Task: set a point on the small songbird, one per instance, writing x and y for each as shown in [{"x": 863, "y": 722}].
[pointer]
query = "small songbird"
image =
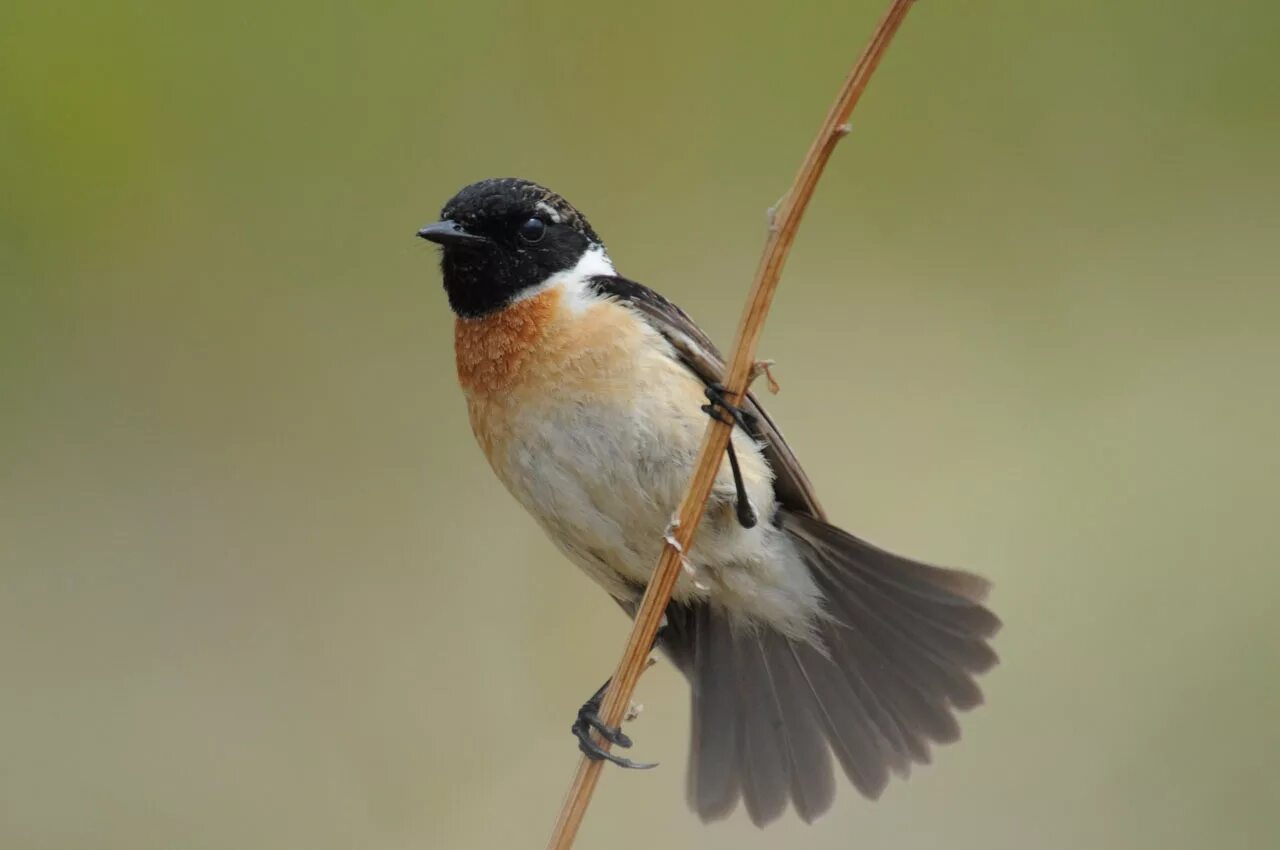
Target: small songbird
[{"x": 587, "y": 393}]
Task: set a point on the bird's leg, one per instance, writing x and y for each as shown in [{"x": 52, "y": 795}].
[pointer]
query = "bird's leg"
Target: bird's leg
[
  {"x": 719, "y": 409},
  {"x": 589, "y": 719}
]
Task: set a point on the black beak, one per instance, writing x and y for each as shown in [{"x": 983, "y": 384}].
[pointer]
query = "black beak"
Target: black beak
[{"x": 450, "y": 233}]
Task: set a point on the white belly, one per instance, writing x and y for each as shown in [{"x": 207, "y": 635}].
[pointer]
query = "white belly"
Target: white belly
[{"x": 605, "y": 480}]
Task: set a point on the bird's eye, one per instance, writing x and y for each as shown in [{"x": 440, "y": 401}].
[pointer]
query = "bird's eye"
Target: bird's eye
[{"x": 533, "y": 230}]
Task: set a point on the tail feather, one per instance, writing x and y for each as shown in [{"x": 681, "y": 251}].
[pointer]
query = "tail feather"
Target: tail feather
[
  {"x": 714, "y": 778},
  {"x": 921, "y": 650},
  {"x": 897, "y": 654},
  {"x": 901, "y": 716},
  {"x": 934, "y": 599},
  {"x": 909, "y": 655},
  {"x": 813, "y": 785},
  {"x": 865, "y": 752},
  {"x": 762, "y": 735},
  {"x": 766, "y": 756}
]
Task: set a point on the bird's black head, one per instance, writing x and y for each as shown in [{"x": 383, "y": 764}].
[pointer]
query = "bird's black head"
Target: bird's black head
[{"x": 504, "y": 236}]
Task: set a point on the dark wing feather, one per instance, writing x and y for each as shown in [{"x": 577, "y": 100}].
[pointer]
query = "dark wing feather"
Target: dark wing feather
[{"x": 791, "y": 486}]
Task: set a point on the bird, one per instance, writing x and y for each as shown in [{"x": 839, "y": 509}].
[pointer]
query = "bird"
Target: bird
[{"x": 806, "y": 647}]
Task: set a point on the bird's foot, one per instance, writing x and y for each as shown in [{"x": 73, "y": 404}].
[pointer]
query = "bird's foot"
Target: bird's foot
[
  {"x": 589, "y": 720},
  {"x": 722, "y": 411}
]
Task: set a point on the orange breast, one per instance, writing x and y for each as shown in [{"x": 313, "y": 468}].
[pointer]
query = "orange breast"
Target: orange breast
[
  {"x": 492, "y": 351},
  {"x": 540, "y": 353}
]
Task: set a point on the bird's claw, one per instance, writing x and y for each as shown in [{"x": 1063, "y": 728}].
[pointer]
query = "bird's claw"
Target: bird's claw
[
  {"x": 719, "y": 409},
  {"x": 588, "y": 720}
]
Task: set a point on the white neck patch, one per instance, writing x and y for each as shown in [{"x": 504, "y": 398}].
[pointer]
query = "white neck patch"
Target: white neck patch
[{"x": 573, "y": 282}]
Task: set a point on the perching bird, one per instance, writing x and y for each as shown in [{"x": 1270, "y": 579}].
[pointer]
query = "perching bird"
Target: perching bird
[{"x": 587, "y": 393}]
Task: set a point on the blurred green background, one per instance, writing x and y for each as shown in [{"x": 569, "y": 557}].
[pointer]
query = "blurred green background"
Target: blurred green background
[{"x": 258, "y": 589}]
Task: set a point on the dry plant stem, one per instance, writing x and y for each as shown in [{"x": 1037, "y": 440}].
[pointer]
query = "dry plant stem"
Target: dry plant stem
[{"x": 781, "y": 234}]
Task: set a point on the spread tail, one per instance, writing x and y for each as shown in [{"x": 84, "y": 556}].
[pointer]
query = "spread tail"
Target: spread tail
[{"x": 901, "y": 646}]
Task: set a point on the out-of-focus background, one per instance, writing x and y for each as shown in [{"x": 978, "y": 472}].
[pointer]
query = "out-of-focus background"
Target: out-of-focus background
[{"x": 259, "y": 590}]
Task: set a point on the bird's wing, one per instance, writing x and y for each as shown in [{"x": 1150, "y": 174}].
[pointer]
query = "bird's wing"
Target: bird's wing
[{"x": 791, "y": 486}]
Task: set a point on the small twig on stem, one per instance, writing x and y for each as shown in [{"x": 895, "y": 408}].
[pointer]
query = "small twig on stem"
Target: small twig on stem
[
  {"x": 784, "y": 222},
  {"x": 765, "y": 367}
]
